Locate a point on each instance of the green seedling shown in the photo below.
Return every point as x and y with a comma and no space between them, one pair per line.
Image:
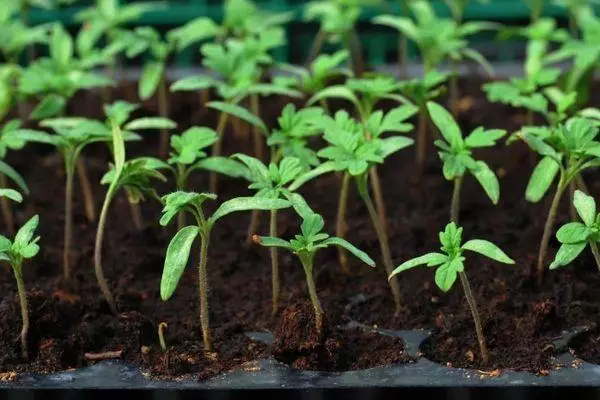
16,34
450,264
317,76
338,20
527,92
179,248
351,153
236,65
135,177
244,18
567,150
456,152
24,246
188,155
271,182
576,236
305,245
440,39
290,139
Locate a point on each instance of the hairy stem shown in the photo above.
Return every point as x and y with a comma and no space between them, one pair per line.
98,253
17,269
340,224
384,246
316,46
549,226
274,262
86,189
163,111
68,233
7,214
473,306
595,252
421,147
455,206
378,195
312,291
203,285
216,151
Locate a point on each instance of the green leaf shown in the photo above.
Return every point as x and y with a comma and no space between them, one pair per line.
336,92
310,175
404,25
13,176
567,253
488,181
488,249
11,194
481,137
446,124
193,83
25,234
239,112
573,232
542,177
224,166
585,206
300,205
479,59
176,259
50,106
150,123
246,204
150,79
429,259
445,275
361,255
118,149
61,46
269,241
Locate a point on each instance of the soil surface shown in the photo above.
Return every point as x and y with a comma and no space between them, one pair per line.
70,325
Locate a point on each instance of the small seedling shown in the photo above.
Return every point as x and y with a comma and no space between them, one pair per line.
179,248
135,177
24,246
567,150
271,182
450,263
456,154
161,335
353,154
305,245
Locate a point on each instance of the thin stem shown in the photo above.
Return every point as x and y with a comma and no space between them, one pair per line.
356,53
86,189
68,233
340,225
549,226
473,306
98,252
274,262
7,214
316,46
161,335
24,308
253,225
422,139
216,150
259,149
181,175
203,285
378,195
312,291
384,246
455,207
163,111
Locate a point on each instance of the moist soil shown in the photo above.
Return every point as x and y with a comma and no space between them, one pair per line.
521,318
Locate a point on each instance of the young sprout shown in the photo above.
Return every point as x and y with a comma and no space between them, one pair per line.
338,19
135,177
305,245
271,182
440,39
161,335
575,236
456,154
291,138
450,263
244,18
24,246
188,155
353,154
179,248
567,150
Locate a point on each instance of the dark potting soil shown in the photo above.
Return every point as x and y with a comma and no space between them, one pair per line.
521,319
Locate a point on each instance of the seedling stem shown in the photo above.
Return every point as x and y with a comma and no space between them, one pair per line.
275,276
341,227
473,306
24,309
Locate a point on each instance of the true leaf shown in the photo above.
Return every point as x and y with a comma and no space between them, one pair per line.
445,274
585,206
150,79
446,124
573,232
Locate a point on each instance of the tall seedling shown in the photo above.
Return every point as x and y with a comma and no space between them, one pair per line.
179,248
350,152
456,153
450,263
